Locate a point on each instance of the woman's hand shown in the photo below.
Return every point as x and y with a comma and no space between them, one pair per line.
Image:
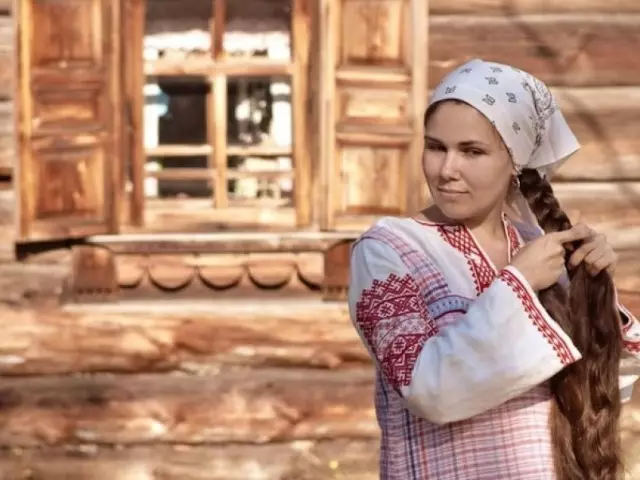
541,261
596,253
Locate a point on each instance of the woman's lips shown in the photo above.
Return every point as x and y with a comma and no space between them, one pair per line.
450,191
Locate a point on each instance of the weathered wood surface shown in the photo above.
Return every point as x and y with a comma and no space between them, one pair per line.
611,208
630,435
183,336
606,122
198,338
574,50
37,282
627,277
519,7
6,52
220,277
7,142
303,460
239,406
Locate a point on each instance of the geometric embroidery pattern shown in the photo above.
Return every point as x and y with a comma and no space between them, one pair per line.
394,320
557,343
461,239
513,239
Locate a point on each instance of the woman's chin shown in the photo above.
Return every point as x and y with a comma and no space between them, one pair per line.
455,211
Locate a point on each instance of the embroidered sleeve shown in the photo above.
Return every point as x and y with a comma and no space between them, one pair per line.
630,331
630,362
499,347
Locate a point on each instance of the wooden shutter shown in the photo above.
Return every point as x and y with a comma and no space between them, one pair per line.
373,92
68,120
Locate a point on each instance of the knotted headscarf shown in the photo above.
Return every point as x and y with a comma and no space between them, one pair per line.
524,112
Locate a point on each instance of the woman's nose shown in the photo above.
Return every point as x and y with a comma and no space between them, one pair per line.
450,167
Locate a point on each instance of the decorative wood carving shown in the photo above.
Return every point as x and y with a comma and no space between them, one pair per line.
99,274
336,267
222,273
93,275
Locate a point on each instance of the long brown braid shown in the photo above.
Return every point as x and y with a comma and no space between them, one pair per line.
586,409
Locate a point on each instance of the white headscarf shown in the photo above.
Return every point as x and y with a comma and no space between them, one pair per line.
523,111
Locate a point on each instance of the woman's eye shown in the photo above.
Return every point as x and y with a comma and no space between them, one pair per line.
474,152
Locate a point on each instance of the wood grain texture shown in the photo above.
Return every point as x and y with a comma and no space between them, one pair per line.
6,51
254,407
606,122
304,460
612,208
177,337
519,7
574,50
7,129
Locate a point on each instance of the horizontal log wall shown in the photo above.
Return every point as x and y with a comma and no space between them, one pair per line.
515,7
303,460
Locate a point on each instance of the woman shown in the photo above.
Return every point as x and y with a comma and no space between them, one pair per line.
494,361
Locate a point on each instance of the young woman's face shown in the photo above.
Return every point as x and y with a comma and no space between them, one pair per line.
466,164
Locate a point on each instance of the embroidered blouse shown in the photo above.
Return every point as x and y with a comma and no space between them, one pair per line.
463,354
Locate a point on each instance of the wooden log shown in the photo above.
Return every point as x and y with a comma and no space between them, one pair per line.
7,72
353,459
237,406
630,299
31,284
606,123
7,142
7,222
574,50
630,435
627,278
36,282
611,208
178,335
523,7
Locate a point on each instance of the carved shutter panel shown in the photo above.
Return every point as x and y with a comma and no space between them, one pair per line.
373,92
69,117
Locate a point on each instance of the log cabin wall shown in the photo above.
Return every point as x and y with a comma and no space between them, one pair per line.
173,390
179,392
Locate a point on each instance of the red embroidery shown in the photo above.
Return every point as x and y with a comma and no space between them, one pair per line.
461,239
395,323
514,239
631,347
482,271
557,343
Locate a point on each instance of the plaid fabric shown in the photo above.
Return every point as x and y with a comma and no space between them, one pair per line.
508,442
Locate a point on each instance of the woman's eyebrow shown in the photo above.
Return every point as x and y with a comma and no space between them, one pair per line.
466,143
473,143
